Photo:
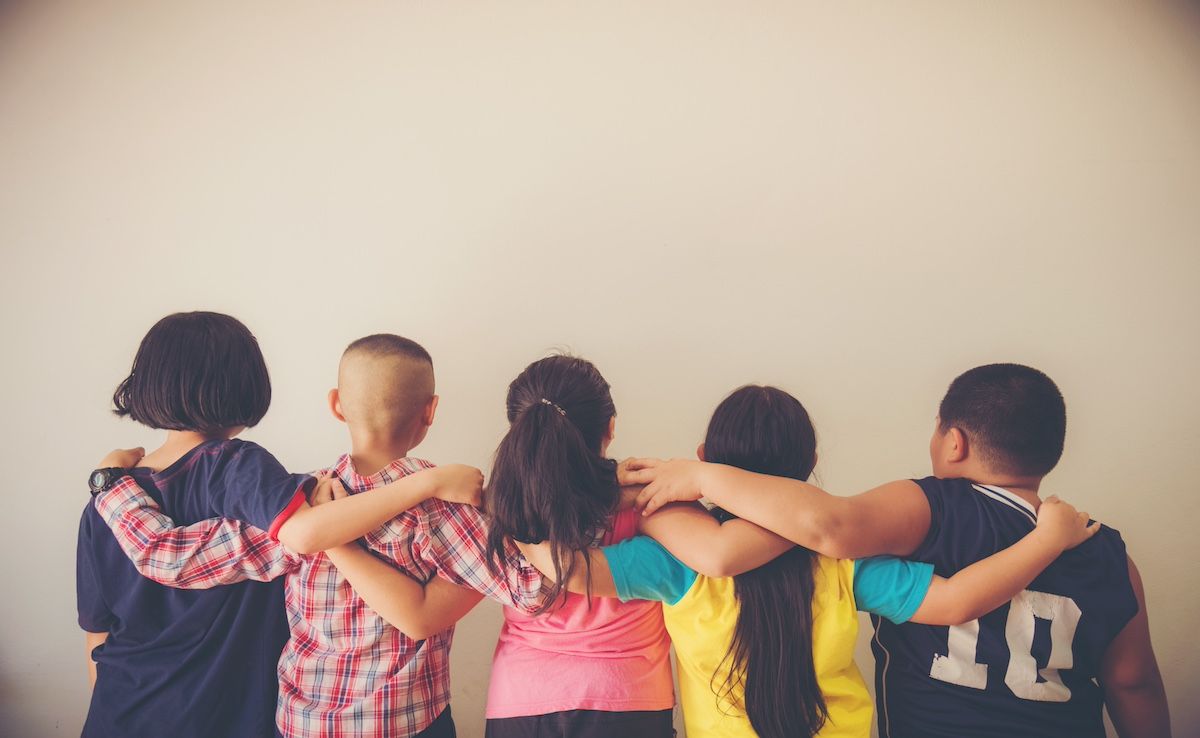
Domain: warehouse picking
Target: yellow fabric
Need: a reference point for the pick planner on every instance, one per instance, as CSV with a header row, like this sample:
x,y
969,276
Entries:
x,y
701,625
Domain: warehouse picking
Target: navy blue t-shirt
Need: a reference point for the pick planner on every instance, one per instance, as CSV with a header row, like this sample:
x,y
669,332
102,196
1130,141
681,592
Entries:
x,y
187,663
1028,668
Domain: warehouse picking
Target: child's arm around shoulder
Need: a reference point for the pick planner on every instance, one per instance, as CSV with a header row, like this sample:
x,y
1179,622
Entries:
x,y
710,547
1129,675
199,556
415,609
985,585
893,518
318,527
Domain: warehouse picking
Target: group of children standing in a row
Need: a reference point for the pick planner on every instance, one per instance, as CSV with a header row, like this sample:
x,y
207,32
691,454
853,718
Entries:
x,y
294,605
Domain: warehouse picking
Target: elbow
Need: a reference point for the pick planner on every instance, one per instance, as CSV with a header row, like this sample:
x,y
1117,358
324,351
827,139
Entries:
x,y
419,630
834,539
957,615
1139,682
716,564
419,634
300,539
830,533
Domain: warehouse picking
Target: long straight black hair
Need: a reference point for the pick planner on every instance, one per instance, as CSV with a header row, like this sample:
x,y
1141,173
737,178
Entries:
x,y
766,430
549,480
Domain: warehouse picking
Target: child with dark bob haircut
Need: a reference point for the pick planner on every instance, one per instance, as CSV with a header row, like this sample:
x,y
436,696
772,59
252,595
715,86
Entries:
x,y
202,663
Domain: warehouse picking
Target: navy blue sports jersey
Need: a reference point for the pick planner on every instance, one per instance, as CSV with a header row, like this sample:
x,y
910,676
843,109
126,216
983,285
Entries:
x,y
180,663
1027,669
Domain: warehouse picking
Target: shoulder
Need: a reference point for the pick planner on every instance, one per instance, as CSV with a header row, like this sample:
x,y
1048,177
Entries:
x,y
243,450
948,498
439,514
937,487
1105,550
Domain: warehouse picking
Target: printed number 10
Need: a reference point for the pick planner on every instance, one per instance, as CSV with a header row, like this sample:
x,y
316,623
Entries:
x,y
959,666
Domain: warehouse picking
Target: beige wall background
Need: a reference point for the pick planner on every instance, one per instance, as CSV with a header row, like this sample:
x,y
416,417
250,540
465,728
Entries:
x,y
854,202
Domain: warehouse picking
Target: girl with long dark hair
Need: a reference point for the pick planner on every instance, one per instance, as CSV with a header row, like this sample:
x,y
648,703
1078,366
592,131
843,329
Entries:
x,y
769,651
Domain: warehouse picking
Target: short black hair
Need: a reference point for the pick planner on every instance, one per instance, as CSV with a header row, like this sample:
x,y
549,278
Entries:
x,y
197,371
1014,415
389,344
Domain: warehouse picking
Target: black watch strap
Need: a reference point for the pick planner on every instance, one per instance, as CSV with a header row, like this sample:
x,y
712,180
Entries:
x,y
103,479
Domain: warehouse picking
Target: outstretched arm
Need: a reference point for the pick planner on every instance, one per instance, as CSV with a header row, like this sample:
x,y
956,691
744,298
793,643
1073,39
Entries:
x,y
988,584
199,556
415,609
1133,686
316,528
710,547
890,519
310,529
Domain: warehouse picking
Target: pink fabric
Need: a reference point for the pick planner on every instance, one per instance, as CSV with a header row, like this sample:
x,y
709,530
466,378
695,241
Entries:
x,y
614,657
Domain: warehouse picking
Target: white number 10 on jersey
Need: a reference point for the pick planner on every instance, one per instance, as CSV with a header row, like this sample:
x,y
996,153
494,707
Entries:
x,y
959,665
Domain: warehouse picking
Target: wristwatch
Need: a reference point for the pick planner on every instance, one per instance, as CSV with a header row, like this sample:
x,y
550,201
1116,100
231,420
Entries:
x,y
101,479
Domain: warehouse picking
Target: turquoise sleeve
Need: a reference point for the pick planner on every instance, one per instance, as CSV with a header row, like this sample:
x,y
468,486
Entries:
x,y
891,588
643,570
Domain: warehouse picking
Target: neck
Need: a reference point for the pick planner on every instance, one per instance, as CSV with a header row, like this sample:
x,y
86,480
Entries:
x,y
176,445
1024,487
371,451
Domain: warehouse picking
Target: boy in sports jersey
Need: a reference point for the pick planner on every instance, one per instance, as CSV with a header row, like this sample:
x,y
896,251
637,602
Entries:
x,y
1043,665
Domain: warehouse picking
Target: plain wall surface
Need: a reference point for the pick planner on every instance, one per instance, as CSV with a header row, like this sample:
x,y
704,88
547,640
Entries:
x,y
855,203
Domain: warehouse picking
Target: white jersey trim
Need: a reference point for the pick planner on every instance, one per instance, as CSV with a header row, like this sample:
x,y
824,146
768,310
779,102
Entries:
x,y
1005,497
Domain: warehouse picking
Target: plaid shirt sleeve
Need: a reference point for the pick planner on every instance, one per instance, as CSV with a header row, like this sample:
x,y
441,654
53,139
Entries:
x,y
199,556
454,543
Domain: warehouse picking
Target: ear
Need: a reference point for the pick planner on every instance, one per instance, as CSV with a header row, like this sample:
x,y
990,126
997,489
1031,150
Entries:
x,y
955,446
611,433
430,411
335,404
700,451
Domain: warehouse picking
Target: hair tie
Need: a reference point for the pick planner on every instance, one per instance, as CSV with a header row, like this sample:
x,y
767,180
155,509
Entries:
x,y
556,406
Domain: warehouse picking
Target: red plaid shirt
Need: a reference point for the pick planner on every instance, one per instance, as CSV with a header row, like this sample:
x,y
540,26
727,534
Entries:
x,y
345,671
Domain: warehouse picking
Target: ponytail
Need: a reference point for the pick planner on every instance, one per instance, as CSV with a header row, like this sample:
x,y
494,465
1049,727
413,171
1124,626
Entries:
x,y
549,481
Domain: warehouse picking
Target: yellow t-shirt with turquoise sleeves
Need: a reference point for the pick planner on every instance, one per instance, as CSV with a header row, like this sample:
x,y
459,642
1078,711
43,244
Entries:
x,y
701,613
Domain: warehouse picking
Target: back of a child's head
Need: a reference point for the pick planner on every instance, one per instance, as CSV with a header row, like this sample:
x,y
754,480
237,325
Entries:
x,y
385,382
764,430
550,481
197,371
771,674
1012,415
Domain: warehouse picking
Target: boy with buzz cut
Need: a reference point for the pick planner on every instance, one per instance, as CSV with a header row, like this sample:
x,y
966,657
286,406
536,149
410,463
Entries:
x,y
1042,666
345,671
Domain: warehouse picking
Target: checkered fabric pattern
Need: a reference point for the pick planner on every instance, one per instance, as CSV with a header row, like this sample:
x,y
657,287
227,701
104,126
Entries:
x,y
345,671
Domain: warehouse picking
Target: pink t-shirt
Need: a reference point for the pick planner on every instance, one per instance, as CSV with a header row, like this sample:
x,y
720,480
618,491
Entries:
x,y
614,657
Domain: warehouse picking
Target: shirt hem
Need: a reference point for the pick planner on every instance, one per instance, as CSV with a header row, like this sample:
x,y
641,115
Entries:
x,y
545,708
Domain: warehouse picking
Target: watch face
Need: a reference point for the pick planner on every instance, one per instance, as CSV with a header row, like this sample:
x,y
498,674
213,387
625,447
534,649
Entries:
x,y
99,477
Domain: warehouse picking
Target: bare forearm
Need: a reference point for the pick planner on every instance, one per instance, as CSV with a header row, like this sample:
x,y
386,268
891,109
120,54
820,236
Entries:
x,y
988,584
396,597
313,529
1139,711
800,512
710,547
415,609
91,641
